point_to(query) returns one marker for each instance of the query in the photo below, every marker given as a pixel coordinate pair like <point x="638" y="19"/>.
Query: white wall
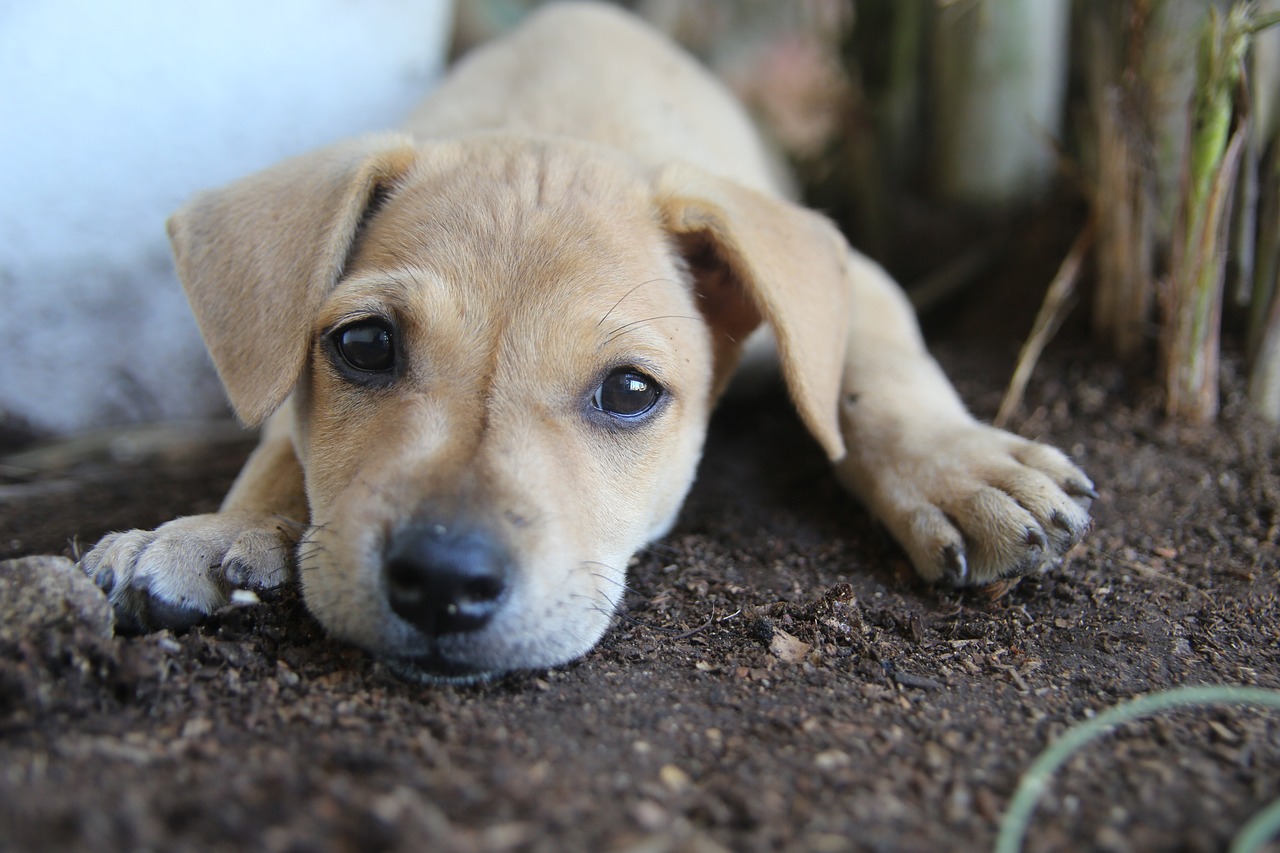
<point x="113" y="113"/>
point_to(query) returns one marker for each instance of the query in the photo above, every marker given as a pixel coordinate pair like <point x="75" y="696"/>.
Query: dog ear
<point x="756" y="258"/>
<point x="258" y="257"/>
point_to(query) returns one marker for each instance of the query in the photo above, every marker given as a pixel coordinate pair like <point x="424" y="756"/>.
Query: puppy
<point x="486" y="348"/>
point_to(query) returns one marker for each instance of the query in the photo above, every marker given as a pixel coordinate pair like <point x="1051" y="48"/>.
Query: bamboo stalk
<point x="1263" y="338"/>
<point x="1193" y="309"/>
<point x="1123" y="205"/>
<point x="1264" y="378"/>
<point x="1263" y="332"/>
<point x="999" y="71"/>
<point x="1168" y="88"/>
<point x="1138" y="85"/>
<point x="1266" y="272"/>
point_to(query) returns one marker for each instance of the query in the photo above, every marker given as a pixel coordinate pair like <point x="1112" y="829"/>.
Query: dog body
<point x="489" y="346"/>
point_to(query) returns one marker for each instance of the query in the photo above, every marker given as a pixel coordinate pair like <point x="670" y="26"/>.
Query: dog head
<point x="501" y="355"/>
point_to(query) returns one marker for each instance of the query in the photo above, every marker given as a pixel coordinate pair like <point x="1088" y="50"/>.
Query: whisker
<point x="603" y="612"/>
<point x="623" y="585"/>
<point x="625" y="327"/>
<point x="607" y="609"/>
<point x="285" y="547"/>
<point x="308" y="542"/>
<point x="660" y="547"/>
<point x="624" y="297"/>
<point x="673" y="633"/>
<point x="289" y="522"/>
<point x="586" y="565"/>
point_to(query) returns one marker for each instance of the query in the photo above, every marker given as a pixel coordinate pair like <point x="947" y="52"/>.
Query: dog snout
<point x="444" y="580"/>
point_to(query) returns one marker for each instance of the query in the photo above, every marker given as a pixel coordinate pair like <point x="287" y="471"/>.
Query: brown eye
<point x="366" y="345"/>
<point x="627" y="393"/>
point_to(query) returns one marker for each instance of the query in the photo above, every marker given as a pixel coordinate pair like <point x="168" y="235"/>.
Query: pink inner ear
<point x="724" y="302"/>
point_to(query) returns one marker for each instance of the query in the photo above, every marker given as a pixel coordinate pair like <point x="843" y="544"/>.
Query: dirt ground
<point x="905" y="725"/>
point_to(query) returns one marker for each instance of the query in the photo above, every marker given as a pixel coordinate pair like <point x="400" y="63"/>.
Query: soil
<point x="779" y="681"/>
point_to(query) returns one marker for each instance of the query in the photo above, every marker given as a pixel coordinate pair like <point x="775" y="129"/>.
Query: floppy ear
<point x="757" y="258"/>
<point x="258" y="257"/>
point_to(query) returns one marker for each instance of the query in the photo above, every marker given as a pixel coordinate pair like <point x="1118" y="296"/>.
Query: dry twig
<point x="1057" y="300"/>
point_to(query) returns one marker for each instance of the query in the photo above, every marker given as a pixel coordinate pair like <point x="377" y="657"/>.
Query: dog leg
<point x="969" y="503"/>
<point x="175" y="575"/>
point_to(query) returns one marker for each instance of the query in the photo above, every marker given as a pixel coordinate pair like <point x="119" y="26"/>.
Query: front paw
<point x="972" y="504"/>
<point x="179" y="573"/>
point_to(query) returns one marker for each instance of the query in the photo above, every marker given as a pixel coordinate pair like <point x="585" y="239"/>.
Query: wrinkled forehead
<point x="526" y="222"/>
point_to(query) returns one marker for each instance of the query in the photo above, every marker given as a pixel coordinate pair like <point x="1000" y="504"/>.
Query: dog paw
<point x="972" y="504"/>
<point x="179" y="573"/>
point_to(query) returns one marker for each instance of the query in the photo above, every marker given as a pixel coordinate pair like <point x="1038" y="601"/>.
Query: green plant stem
<point x="1260" y="829"/>
<point x="1034" y="782"/>
<point x="1194" y="313"/>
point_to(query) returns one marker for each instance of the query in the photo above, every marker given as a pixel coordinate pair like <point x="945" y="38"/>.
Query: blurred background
<point x="934" y="132"/>
<point x="113" y="114"/>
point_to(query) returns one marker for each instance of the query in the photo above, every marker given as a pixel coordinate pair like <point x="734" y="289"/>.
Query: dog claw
<point x="1034" y="559"/>
<point x="234" y="572"/>
<point x="1080" y="489"/>
<point x="955" y="569"/>
<point x="1038" y="544"/>
<point x="103" y="577"/>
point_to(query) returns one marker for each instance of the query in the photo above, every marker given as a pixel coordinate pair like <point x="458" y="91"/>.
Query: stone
<point x="44" y="594"/>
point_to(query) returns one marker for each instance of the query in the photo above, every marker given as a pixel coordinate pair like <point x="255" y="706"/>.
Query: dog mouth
<point x="458" y="658"/>
<point x="434" y="668"/>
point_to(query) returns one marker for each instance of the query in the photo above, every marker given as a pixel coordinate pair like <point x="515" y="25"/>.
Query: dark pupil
<point x="366" y="346"/>
<point x="627" y="394"/>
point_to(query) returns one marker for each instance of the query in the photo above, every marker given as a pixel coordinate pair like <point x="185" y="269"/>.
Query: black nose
<point x="445" y="581"/>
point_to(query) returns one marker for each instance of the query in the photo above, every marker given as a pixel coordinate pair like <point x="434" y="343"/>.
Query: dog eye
<point x="626" y="393"/>
<point x="366" y="345"/>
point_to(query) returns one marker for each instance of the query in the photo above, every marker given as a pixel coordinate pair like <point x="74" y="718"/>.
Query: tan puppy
<point x="488" y="348"/>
